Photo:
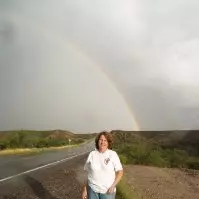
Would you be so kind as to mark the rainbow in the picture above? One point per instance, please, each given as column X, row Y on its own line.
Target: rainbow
column 53, row 35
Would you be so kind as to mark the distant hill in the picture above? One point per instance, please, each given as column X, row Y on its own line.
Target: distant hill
column 182, row 139
column 191, row 136
column 43, row 134
column 177, row 135
column 31, row 138
column 159, row 148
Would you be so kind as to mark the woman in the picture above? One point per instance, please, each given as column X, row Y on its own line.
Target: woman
column 104, row 170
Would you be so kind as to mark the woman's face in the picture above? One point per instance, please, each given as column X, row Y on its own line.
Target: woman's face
column 102, row 143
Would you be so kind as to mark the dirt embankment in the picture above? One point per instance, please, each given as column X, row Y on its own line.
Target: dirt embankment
column 163, row 183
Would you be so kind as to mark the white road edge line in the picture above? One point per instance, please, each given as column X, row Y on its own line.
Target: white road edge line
column 41, row 167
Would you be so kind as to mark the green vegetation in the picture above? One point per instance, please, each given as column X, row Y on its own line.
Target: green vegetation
column 40, row 139
column 174, row 149
column 124, row 191
column 162, row 149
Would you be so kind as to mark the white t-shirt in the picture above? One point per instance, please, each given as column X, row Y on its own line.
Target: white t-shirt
column 101, row 168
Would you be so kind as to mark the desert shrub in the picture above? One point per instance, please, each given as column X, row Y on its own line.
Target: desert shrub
column 192, row 163
column 3, row 145
column 177, row 158
column 123, row 159
column 136, row 154
column 77, row 141
column 124, row 191
column 13, row 141
column 54, row 142
column 156, row 158
column 157, row 152
column 142, row 153
column 30, row 142
column 42, row 143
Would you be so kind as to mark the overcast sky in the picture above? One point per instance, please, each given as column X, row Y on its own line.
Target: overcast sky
column 87, row 66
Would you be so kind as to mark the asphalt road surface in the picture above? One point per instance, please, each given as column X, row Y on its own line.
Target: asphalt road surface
column 62, row 180
column 16, row 165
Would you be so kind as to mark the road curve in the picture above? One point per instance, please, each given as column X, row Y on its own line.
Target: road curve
column 15, row 165
column 61, row 181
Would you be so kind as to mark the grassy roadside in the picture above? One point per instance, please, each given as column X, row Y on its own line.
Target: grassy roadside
column 124, row 191
column 38, row 150
column 31, row 150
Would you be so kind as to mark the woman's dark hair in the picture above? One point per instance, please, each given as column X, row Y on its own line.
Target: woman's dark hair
column 109, row 138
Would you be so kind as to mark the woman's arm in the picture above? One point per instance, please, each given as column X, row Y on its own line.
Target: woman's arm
column 84, row 191
column 118, row 177
column 85, row 181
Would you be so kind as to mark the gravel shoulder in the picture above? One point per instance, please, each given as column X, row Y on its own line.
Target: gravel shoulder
column 162, row 183
column 62, row 181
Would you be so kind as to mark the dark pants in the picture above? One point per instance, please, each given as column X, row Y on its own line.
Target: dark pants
column 94, row 195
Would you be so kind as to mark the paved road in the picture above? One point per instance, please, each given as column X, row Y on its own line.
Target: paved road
column 61, row 181
column 16, row 164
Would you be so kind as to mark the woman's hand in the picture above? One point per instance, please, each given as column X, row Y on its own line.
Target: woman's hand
column 118, row 176
column 111, row 189
column 84, row 194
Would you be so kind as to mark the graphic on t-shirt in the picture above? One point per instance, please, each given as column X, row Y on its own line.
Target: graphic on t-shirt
column 106, row 161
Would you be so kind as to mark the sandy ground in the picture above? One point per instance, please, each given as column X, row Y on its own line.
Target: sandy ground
column 163, row 183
